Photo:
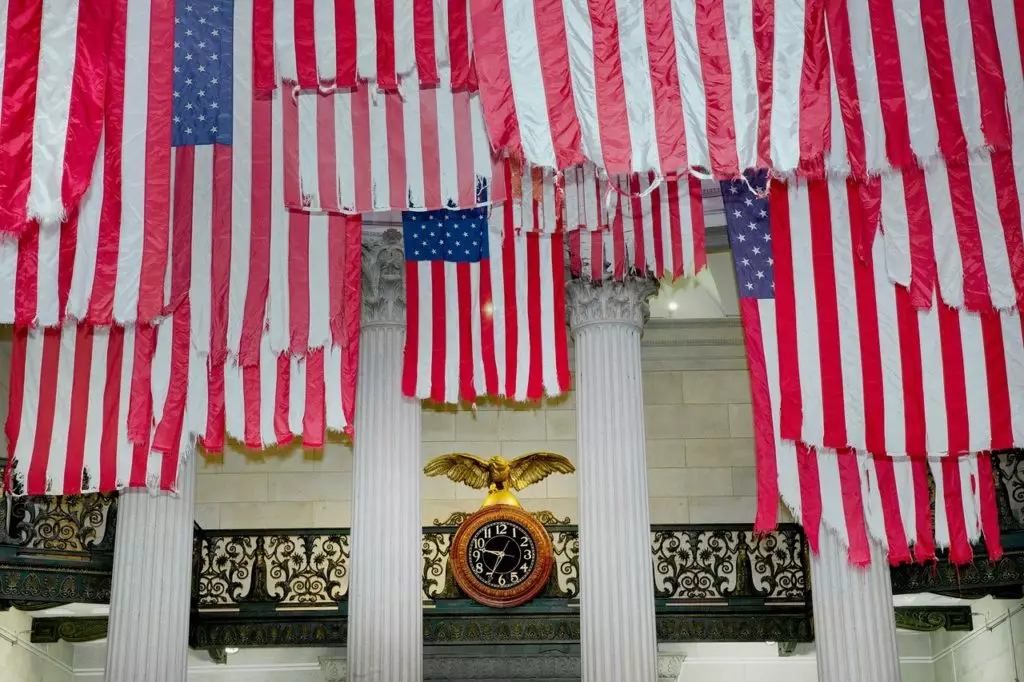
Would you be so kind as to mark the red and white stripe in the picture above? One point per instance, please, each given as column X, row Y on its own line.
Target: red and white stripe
column 359, row 151
column 494, row 328
column 921, row 81
column 656, row 228
column 278, row 398
column 53, row 80
column 658, row 85
column 341, row 43
column 72, row 394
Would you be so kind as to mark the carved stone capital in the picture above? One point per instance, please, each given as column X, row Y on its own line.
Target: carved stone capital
column 623, row 302
column 383, row 280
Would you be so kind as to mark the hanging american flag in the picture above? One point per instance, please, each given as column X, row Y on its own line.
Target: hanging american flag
column 856, row 394
column 485, row 312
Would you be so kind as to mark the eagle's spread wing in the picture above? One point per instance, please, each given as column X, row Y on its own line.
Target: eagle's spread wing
column 460, row 467
column 536, row 466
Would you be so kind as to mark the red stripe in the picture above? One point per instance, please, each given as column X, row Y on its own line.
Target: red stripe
column 465, row 173
column 968, row 232
column 438, row 349
column 351, row 318
column 669, row 123
column 619, row 243
column 553, row 53
column 952, row 142
column 466, row 366
column 258, row 286
column 535, row 382
column 458, row 44
column 89, row 79
column 597, row 255
column 889, row 74
column 140, row 409
column 305, row 44
column 675, row 228
column 959, row 547
column 953, row 379
column 810, row 493
column 658, row 247
column 79, row 410
column 101, row 300
column 837, row 15
column 1000, row 410
column 511, row 298
column 610, row 90
column 110, row 432
column 66, row 262
column 853, row 507
column 412, row 325
column 912, row 373
column 923, row 274
column 157, row 204
column 636, row 207
column 38, row 470
column 251, row 398
column 220, row 256
column 989, row 513
column 431, row 149
column 213, row 439
column 561, row 340
column 314, row 418
column 924, row 550
column 487, row 329
column 16, row 397
column 167, row 437
column 181, row 236
column 26, row 286
column 899, row 548
column 815, row 93
column 326, row 155
column 995, row 122
column 423, row 40
column 361, row 148
column 298, row 281
column 384, row 20
column 1010, row 215
column 764, row 430
column 263, row 44
column 396, row 148
column 825, row 295
column 791, row 409
column 700, row 257
column 764, row 49
column 346, row 39
column 338, row 273
column 18, row 104
column 282, row 400
column 290, row 131
column 497, row 97
column 714, row 61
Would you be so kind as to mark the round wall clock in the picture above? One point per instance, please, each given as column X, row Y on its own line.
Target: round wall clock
column 502, row 556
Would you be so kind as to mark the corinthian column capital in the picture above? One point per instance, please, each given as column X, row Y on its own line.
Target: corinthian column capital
column 589, row 303
column 383, row 285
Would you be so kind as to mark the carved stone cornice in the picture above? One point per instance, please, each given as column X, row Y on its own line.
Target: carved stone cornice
column 383, row 285
column 589, row 303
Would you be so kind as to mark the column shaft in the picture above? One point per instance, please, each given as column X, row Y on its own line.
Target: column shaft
column 854, row 627
column 150, row 594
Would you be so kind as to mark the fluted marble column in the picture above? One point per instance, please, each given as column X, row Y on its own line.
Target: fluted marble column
column 617, row 633
column 150, row 593
column 385, row 618
column 854, row 627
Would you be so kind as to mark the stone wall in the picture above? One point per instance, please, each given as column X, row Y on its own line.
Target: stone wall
column 22, row 661
column 699, row 447
column 989, row 652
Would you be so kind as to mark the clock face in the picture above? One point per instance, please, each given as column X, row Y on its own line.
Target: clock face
column 501, row 554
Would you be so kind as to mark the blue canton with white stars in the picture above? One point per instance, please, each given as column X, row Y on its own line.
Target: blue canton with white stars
column 750, row 235
column 202, row 72
column 446, row 235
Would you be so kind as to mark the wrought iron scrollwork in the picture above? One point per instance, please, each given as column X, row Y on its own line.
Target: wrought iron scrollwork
column 73, row 523
column 1008, row 470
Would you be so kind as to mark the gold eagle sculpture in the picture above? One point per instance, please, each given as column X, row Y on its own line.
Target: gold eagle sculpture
column 497, row 474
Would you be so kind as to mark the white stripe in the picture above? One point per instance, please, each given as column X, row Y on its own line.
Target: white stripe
column 785, row 450
column 441, row 33
column 411, row 122
column 326, row 42
column 133, row 164
column 896, row 229
column 890, row 355
column 425, row 340
column 93, row 437
column 405, row 42
column 666, row 228
column 47, row 269
column 573, row 203
column 87, row 241
column 739, row 29
column 874, row 516
column 924, row 132
column 57, row 40
column 524, row 339
column 941, row 520
column 28, row 424
column 833, row 514
column 55, row 465
column 947, row 246
column 476, row 335
column 332, row 389
column 1009, row 49
column 125, row 450
column 308, row 148
column 809, row 361
column 234, row 399
column 268, row 393
column 961, row 49
column 241, row 174
column 345, row 152
column 903, row 473
column 837, row 159
column 1013, row 350
column 481, row 143
column 366, row 40
column 197, row 402
column 990, row 228
column 452, row 338
column 446, row 135
column 547, row 317
column 934, row 381
column 580, row 41
column 8, row 275
column 788, row 59
column 647, row 209
column 277, row 299
column 200, row 287
column 379, row 170
column 970, row 485
column 284, row 40
column 494, row 227
column 636, row 84
column 319, row 281
column 686, row 226
column 866, row 73
column 691, row 81
column 975, row 383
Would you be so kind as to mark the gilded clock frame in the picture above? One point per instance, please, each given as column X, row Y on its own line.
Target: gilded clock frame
column 533, row 585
